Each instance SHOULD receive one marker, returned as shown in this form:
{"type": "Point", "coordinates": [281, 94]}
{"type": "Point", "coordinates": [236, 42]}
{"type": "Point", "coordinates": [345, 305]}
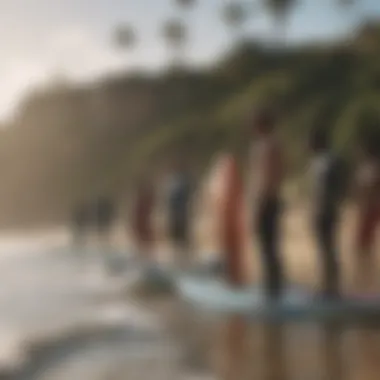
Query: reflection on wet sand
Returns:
{"type": "Point", "coordinates": [233, 349]}
{"type": "Point", "coordinates": [275, 364]}
{"type": "Point", "coordinates": [237, 349]}
{"type": "Point", "coordinates": [367, 354]}
{"type": "Point", "coordinates": [331, 352]}
{"type": "Point", "coordinates": [272, 351]}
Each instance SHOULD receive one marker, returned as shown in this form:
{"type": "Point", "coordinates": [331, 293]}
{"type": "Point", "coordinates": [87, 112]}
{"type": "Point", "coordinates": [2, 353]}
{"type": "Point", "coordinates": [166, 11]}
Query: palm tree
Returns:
{"type": "Point", "coordinates": [180, 28]}
{"type": "Point", "coordinates": [125, 37]}
{"type": "Point", "coordinates": [280, 10]}
{"type": "Point", "coordinates": [234, 16]}
{"type": "Point", "coordinates": [185, 4]}
{"type": "Point", "coordinates": [346, 3]}
{"type": "Point", "coordinates": [175, 35]}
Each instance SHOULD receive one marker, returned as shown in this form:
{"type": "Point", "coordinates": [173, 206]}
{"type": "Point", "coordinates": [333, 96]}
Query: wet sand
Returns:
{"type": "Point", "coordinates": [231, 349]}
{"type": "Point", "coordinates": [202, 347]}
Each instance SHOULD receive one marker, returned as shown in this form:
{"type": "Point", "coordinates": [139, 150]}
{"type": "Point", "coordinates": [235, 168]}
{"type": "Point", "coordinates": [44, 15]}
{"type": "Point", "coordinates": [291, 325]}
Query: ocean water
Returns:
{"type": "Point", "coordinates": [64, 316]}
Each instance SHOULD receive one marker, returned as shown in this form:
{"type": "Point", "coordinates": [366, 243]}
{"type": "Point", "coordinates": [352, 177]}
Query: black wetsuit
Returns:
{"type": "Point", "coordinates": [330, 182]}
{"type": "Point", "coordinates": [269, 218]}
{"type": "Point", "coordinates": [80, 221]}
{"type": "Point", "coordinates": [81, 217]}
{"type": "Point", "coordinates": [179, 207]}
{"type": "Point", "coordinates": [268, 235]}
{"type": "Point", "coordinates": [104, 214]}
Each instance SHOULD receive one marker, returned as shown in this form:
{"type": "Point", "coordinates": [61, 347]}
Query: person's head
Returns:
{"type": "Point", "coordinates": [320, 139]}
{"type": "Point", "coordinates": [263, 121]}
{"type": "Point", "coordinates": [369, 143]}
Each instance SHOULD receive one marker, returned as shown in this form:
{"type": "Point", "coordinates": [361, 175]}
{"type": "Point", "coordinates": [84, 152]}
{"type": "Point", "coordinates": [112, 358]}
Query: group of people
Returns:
{"type": "Point", "coordinates": [100, 215]}
{"type": "Point", "coordinates": [177, 196]}
{"type": "Point", "coordinates": [332, 179]}
{"type": "Point", "coordinates": [97, 216]}
{"type": "Point", "coordinates": [331, 182]}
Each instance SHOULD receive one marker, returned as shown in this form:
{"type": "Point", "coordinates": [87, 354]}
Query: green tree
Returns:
{"type": "Point", "coordinates": [185, 4]}
{"type": "Point", "coordinates": [125, 37]}
{"type": "Point", "coordinates": [234, 16]}
{"type": "Point", "coordinates": [346, 3]}
{"type": "Point", "coordinates": [280, 11]}
{"type": "Point", "coordinates": [175, 35]}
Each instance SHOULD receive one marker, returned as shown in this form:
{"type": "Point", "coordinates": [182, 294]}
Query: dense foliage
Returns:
{"type": "Point", "coordinates": [68, 143]}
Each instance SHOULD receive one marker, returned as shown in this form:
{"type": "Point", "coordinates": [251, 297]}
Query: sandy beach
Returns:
{"type": "Point", "coordinates": [86, 326]}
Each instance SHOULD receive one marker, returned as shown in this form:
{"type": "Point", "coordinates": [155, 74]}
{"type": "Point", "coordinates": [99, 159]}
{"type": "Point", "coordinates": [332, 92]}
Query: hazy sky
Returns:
{"type": "Point", "coordinates": [41, 37]}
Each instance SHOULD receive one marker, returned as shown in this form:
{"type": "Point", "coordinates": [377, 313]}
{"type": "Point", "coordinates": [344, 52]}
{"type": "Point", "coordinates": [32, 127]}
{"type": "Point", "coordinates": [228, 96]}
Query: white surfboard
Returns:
{"type": "Point", "coordinates": [296, 303]}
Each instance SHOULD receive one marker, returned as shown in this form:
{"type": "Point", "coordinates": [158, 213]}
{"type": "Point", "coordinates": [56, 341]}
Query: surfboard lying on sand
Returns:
{"type": "Point", "coordinates": [296, 303]}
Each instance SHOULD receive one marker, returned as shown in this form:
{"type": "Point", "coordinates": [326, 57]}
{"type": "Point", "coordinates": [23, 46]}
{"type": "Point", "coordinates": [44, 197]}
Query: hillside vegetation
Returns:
{"type": "Point", "coordinates": [68, 143]}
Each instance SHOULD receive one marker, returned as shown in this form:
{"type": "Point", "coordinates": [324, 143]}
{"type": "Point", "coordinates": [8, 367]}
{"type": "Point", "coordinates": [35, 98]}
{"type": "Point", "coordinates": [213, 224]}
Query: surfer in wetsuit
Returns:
{"type": "Point", "coordinates": [268, 173]}
{"type": "Point", "coordinates": [368, 193]}
{"type": "Point", "coordinates": [80, 224]}
{"type": "Point", "coordinates": [328, 174]}
{"type": "Point", "coordinates": [142, 219]}
{"type": "Point", "coordinates": [179, 205]}
{"type": "Point", "coordinates": [104, 216]}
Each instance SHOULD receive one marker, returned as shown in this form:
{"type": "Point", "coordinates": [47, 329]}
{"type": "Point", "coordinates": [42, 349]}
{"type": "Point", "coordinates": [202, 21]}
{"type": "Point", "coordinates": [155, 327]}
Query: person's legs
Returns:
{"type": "Point", "coordinates": [79, 242]}
{"type": "Point", "coordinates": [143, 241]}
{"type": "Point", "coordinates": [180, 237]}
{"type": "Point", "coordinates": [102, 246]}
{"type": "Point", "coordinates": [232, 252]}
{"type": "Point", "coordinates": [326, 235]}
{"type": "Point", "coordinates": [268, 238]}
{"type": "Point", "coordinates": [367, 225]}
{"type": "Point", "coordinates": [77, 235]}
{"type": "Point", "coordinates": [174, 240]}
{"type": "Point", "coordinates": [144, 247]}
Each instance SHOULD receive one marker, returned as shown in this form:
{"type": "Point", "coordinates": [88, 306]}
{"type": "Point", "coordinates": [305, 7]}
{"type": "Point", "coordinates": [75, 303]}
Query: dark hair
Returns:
{"type": "Point", "coordinates": [320, 138]}
{"type": "Point", "coordinates": [369, 140]}
{"type": "Point", "coordinates": [265, 118]}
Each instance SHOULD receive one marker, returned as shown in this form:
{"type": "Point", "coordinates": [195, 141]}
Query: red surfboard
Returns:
{"type": "Point", "coordinates": [231, 222]}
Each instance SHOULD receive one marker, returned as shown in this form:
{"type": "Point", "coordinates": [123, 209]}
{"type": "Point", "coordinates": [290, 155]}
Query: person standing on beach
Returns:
{"type": "Point", "coordinates": [104, 216]}
{"type": "Point", "coordinates": [179, 209]}
{"type": "Point", "coordinates": [142, 223]}
{"type": "Point", "coordinates": [268, 175]}
{"type": "Point", "coordinates": [328, 188]}
{"type": "Point", "coordinates": [80, 223]}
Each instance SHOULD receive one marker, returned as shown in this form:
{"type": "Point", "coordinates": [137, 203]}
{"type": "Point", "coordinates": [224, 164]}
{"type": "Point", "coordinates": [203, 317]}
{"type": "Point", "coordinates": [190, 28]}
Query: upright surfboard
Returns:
{"type": "Point", "coordinates": [231, 222]}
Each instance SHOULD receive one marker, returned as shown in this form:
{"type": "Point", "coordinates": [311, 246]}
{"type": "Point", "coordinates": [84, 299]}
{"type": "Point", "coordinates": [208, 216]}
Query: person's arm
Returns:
{"type": "Point", "coordinates": [363, 182]}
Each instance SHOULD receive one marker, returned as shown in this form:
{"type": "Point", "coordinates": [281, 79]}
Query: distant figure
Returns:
{"type": "Point", "coordinates": [268, 175]}
{"type": "Point", "coordinates": [368, 194]}
{"type": "Point", "coordinates": [179, 207]}
{"type": "Point", "coordinates": [104, 215]}
{"type": "Point", "coordinates": [328, 188]}
{"type": "Point", "coordinates": [142, 224]}
{"type": "Point", "coordinates": [81, 221]}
